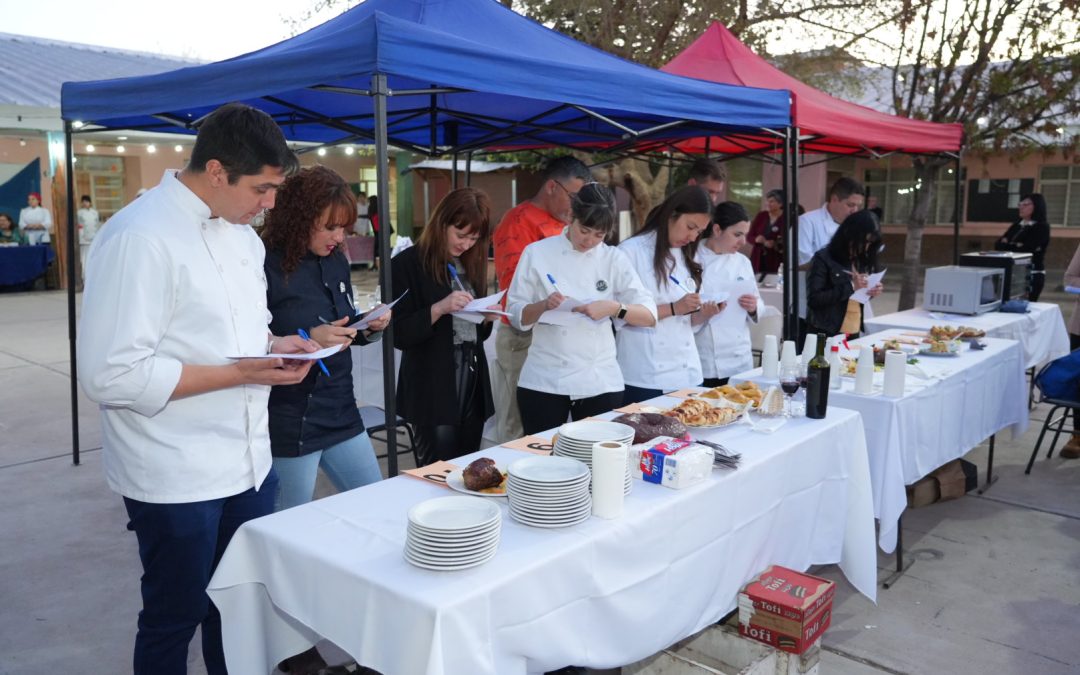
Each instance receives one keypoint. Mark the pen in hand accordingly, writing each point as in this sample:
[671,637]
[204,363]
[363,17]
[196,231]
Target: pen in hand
[553,284]
[454,277]
[322,366]
[684,290]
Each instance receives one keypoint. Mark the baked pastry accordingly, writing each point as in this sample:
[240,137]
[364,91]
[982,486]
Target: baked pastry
[481,475]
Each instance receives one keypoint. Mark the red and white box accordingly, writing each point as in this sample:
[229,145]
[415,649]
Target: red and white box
[786,609]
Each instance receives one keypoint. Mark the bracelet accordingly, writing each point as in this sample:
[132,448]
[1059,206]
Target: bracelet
[671,305]
[270,345]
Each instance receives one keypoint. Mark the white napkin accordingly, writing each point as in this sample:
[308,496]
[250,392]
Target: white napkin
[608,478]
[895,368]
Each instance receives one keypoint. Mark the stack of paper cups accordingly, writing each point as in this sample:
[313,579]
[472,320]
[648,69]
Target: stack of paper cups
[895,367]
[770,365]
[787,354]
[608,478]
[809,349]
[864,371]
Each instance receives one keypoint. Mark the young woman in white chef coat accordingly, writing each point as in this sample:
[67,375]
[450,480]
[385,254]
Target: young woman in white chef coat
[663,358]
[724,348]
[572,369]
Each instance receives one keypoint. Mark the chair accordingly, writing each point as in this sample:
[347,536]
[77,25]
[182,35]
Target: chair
[1068,409]
[374,419]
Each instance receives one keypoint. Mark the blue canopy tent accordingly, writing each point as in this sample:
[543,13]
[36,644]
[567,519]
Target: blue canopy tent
[434,77]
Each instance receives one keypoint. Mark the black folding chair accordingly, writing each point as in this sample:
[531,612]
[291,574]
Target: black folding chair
[1064,409]
[374,419]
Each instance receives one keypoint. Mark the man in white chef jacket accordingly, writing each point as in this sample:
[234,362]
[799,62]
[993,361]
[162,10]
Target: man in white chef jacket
[174,292]
[35,221]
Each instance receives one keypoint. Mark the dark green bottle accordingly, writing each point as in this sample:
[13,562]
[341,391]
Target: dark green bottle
[817,382]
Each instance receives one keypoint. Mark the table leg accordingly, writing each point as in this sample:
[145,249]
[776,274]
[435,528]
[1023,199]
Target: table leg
[990,477]
[900,567]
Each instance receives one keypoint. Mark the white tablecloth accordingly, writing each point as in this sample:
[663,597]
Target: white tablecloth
[968,399]
[1041,331]
[600,594]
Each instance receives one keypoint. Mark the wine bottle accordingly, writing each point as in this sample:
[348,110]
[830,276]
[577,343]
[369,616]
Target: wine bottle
[817,382]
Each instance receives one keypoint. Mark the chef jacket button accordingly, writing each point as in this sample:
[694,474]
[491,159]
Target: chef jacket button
[221,268]
[250,398]
[236,312]
[564,332]
[303,419]
[564,363]
[244,261]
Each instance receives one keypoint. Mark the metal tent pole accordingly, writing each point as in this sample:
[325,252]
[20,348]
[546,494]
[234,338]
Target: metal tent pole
[795,282]
[958,209]
[72,251]
[453,174]
[468,169]
[786,268]
[380,91]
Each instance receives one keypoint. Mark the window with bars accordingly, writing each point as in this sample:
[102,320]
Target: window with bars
[896,188]
[1060,185]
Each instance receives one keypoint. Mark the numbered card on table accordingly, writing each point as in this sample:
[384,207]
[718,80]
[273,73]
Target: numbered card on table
[533,444]
[433,473]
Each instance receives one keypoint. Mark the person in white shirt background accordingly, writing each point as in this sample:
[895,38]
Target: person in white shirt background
[175,292]
[89,220]
[724,346]
[571,369]
[35,221]
[816,228]
[663,358]
[709,175]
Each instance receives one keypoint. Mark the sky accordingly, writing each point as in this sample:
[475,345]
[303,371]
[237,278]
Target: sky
[209,30]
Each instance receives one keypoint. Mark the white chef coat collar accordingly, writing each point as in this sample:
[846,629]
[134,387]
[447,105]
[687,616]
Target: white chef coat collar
[188,199]
[567,246]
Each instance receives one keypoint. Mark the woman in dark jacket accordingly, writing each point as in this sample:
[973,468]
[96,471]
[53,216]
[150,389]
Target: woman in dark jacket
[443,386]
[315,423]
[837,271]
[1030,234]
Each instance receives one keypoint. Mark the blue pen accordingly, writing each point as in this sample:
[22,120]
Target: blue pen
[679,284]
[303,333]
[454,276]
[553,284]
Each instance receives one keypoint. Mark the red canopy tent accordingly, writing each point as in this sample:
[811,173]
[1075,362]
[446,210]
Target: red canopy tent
[826,124]
[820,124]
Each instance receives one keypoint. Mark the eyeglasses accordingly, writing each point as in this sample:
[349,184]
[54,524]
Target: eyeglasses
[571,195]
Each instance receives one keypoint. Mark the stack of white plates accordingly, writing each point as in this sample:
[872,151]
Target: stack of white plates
[576,440]
[548,491]
[453,533]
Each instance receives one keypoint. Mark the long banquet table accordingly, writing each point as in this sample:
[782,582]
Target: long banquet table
[1041,332]
[602,594]
[966,399]
[23,264]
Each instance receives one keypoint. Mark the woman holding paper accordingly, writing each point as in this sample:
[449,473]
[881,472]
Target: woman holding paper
[722,333]
[316,422]
[664,358]
[571,369]
[443,386]
[838,271]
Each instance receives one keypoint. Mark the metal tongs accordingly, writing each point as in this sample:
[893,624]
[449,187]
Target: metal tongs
[722,457]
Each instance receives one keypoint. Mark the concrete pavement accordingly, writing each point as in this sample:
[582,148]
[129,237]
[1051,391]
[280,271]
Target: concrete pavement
[995,586]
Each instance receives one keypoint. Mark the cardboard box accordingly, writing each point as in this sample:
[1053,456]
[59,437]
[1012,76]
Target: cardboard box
[786,609]
[794,643]
[923,492]
[951,480]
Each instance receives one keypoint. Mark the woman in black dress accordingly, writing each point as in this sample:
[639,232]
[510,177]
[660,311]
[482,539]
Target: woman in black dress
[837,271]
[443,386]
[1030,234]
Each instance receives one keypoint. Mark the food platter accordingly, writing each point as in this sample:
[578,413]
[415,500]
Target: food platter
[455,481]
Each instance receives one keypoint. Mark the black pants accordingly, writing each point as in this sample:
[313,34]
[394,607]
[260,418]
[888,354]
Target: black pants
[715,382]
[541,411]
[1038,280]
[441,442]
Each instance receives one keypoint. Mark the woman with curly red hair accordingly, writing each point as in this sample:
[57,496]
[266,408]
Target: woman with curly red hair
[443,385]
[316,422]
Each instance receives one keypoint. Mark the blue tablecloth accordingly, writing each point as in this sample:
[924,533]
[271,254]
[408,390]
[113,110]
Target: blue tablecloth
[22,264]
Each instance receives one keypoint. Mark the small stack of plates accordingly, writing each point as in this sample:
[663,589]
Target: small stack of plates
[453,533]
[576,440]
[549,491]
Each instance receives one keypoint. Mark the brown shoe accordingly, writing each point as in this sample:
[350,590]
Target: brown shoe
[1072,448]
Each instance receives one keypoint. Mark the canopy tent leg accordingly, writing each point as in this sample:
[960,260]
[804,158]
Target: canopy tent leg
[453,174]
[382,180]
[957,210]
[468,169]
[785,263]
[73,252]
[793,242]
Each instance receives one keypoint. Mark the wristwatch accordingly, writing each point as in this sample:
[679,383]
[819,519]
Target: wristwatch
[622,311]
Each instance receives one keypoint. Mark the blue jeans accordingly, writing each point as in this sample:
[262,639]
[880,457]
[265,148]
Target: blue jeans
[180,546]
[349,464]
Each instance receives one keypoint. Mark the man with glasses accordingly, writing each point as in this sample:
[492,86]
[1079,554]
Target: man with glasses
[545,215]
[710,175]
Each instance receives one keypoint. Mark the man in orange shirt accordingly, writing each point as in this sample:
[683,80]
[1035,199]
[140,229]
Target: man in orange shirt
[545,215]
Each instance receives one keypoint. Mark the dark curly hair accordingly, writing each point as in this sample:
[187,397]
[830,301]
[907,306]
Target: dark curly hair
[301,201]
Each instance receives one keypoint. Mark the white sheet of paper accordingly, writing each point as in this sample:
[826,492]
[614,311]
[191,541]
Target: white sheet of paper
[376,313]
[564,314]
[474,311]
[863,294]
[312,356]
[732,315]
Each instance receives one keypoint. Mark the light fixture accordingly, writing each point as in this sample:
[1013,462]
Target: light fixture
[349,149]
[321,152]
[151,148]
[89,147]
[121,138]
[120,148]
[982,122]
[77,124]
[74,160]
[179,148]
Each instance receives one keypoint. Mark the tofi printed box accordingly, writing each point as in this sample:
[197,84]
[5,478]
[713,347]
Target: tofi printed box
[652,457]
[786,609]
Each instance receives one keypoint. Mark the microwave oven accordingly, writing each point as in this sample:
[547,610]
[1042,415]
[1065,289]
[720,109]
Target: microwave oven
[1017,268]
[963,290]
